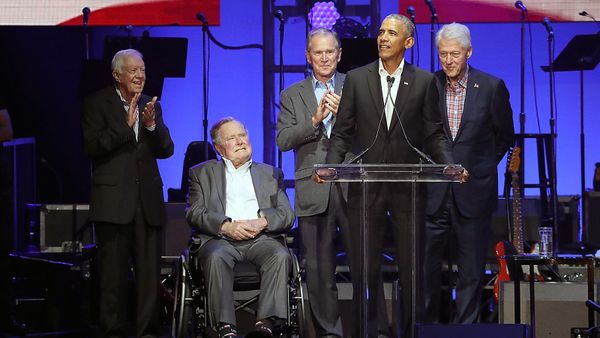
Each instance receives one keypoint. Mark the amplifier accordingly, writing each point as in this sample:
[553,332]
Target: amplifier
[59,227]
[559,307]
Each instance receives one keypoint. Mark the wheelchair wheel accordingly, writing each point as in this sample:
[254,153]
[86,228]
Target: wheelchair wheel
[184,321]
[297,325]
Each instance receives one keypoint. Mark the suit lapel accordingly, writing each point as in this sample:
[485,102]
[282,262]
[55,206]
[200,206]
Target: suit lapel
[219,175]
[257,180]
[406,81]
[470,99]
[374,85]
[307,94]
[443,106]
[337,88]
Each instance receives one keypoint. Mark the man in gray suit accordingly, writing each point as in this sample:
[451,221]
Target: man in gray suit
[308,113]
[238,210]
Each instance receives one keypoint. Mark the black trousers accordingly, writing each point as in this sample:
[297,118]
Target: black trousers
[471,237]
[117,244]
[318,235]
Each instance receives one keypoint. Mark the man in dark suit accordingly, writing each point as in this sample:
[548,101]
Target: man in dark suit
[478,119]
[124,134]
[308,113]
[368,120]
[238,210]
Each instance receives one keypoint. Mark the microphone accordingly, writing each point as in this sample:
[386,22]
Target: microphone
[411,12]
[390,82]
[519,5]
[419,152]
[584,13]
[200,16]
[546,23]
[86,15]
[431,8]
[279,15]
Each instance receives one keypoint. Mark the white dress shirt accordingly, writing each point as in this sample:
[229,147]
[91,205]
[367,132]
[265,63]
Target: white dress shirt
[240,196]
[383,74]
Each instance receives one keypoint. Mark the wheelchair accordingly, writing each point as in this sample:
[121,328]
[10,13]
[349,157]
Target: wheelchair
[191,316]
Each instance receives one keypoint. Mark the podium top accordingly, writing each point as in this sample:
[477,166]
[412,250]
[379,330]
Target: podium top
[389,172]
[581,53]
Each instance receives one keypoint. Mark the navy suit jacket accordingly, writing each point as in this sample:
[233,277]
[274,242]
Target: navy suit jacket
[124,171]
[359,116]
[485,134]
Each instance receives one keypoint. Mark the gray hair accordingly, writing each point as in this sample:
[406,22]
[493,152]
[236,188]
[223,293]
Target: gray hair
[410,27]
[214,130]
[119,58]
[322,31]
[454,31]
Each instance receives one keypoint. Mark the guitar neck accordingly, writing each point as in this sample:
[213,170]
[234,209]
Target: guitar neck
[517,218]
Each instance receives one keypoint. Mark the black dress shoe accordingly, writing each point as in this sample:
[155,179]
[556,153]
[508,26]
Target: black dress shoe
[226,330]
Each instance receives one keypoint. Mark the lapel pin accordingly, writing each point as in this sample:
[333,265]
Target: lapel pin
[476,85]
[405,83]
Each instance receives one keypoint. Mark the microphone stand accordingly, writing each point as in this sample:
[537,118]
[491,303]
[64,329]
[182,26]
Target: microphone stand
[205,86]
[554,197]
[432,41]
[412,50]
[522,113]
[86,32]
[281,28]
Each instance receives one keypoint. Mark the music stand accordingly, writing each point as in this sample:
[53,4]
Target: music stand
[581,53]
[393,173]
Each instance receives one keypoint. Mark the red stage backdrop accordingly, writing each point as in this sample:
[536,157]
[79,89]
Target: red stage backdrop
[502,10]
[108,12]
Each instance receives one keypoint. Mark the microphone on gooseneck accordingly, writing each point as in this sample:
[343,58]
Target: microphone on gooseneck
[519,5]
[279,15]
[584,13]
[390,82]
[86,15]
[431,8]
[546,23]
[419,152]
[411,12]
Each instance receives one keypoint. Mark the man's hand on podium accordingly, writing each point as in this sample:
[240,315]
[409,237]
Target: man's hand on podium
[321,175]
[458,173]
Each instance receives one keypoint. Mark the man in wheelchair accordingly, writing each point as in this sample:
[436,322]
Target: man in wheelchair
[239,211]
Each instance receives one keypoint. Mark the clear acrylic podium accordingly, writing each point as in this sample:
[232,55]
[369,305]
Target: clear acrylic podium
[393,173]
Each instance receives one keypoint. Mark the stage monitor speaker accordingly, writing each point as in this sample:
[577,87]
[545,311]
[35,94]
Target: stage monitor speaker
[472,331]
[558,307]
[592,218]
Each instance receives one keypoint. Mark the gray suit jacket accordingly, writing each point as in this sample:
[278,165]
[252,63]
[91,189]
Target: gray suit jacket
[205,211]
[295,131]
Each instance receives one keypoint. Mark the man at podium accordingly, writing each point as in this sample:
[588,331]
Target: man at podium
[478,119]
[389,113]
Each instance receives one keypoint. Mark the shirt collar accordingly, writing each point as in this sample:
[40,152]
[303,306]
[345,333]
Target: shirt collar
[230,168]
[317,83]
[125,103]
[463,81]
[397,72]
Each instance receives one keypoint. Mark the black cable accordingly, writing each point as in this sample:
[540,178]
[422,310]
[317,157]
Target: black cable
[224,46]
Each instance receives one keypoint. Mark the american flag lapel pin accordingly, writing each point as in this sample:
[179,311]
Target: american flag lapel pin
[476,85]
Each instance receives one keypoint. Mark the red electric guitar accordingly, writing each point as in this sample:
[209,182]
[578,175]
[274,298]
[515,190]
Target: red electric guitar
[516,246]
